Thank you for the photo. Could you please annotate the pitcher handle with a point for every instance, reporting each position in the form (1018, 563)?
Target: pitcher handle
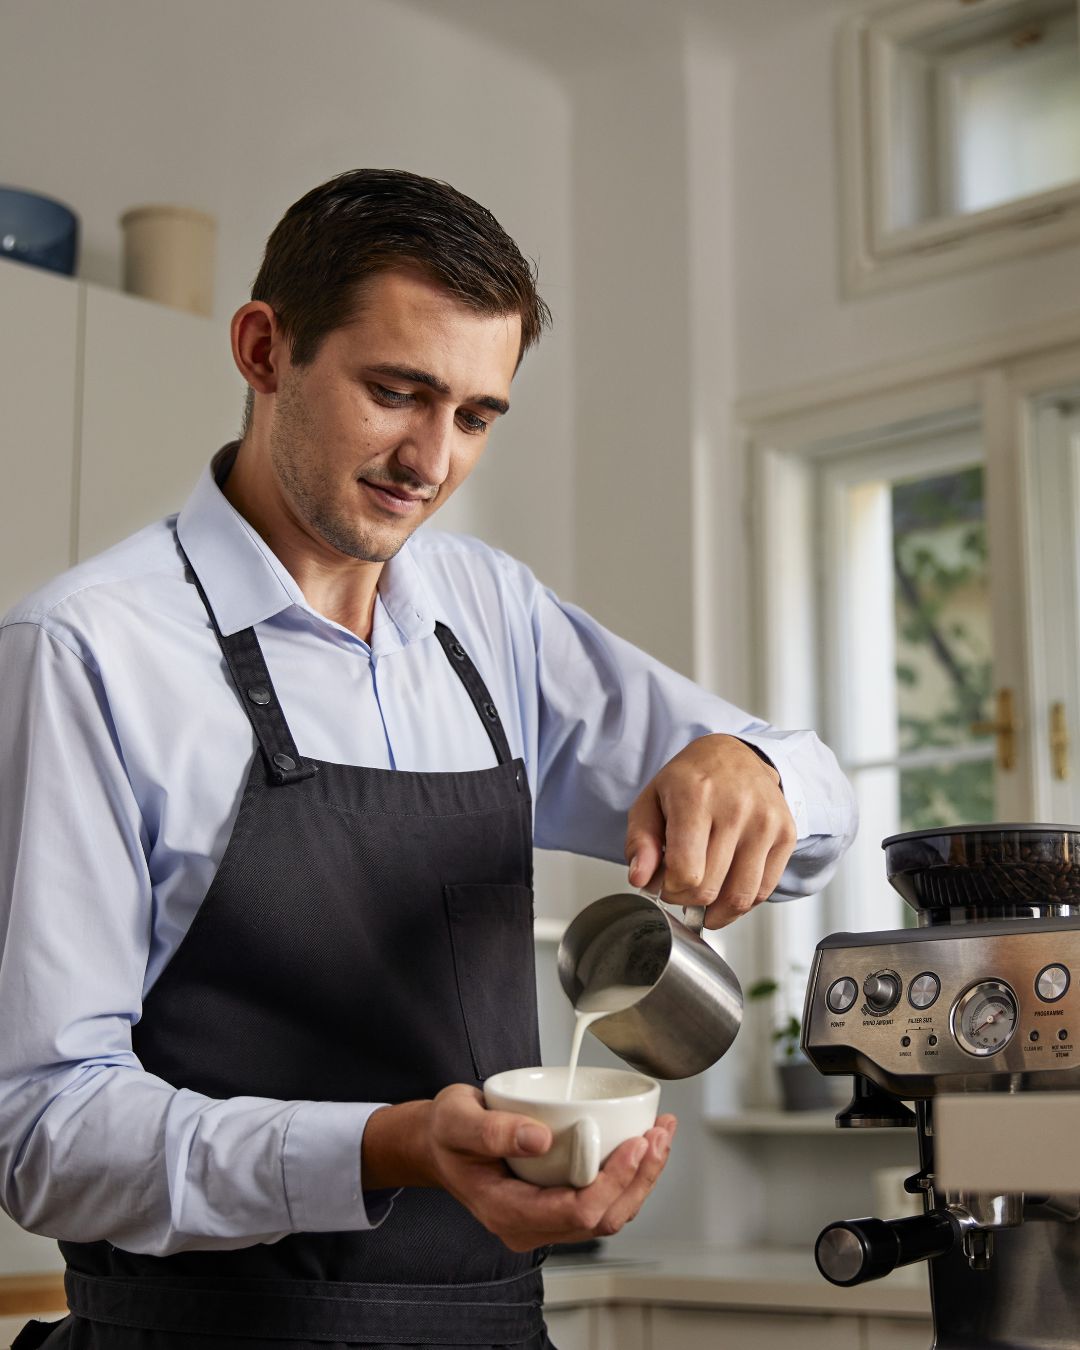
(693, 916)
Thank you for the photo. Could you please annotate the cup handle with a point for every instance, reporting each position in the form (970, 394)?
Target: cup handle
(584, 1152)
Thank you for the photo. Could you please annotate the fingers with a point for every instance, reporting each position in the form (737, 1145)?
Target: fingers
(560, 1214)
(467, 1126)
(626, 1206)
(724, 828)
(644, 839)
(526, 1216)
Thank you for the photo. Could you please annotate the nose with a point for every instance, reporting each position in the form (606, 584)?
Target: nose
(426, 450)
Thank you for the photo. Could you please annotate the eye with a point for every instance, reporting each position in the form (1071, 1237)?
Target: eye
(393, 397)
(475, 426)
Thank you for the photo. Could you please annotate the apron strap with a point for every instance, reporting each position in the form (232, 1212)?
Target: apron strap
(247, 665)
(250, 675)
(477, 691)
(503, 1312)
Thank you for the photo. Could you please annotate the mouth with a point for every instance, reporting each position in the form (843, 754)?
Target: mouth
(395, 500)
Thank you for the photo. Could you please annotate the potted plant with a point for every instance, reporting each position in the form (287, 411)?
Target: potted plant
(802, 1088)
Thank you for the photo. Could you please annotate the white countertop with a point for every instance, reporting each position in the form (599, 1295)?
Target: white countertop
(780, 1279)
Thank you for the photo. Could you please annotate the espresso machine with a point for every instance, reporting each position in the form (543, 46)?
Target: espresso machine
(973, 1017)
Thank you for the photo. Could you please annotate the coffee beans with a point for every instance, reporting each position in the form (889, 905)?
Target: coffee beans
(988, 867)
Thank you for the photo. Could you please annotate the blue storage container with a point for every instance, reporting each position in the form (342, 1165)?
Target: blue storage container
(38, 230)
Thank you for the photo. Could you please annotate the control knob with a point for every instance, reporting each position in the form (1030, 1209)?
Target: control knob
(882, 991)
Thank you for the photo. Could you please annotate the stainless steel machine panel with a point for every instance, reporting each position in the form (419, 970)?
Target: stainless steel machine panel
(922, 1013)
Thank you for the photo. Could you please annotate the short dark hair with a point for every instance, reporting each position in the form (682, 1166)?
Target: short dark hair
(338, 236)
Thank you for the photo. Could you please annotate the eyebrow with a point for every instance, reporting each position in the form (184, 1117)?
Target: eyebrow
(412, 376)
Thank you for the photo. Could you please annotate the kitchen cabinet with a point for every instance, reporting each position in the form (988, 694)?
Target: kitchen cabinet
(110, 407)
(898, 1333)
(39, 340)
(705, 1329)
(599, 1327)
(570, 1328)
(159, 395)
(681, 1296)
(645, 1327)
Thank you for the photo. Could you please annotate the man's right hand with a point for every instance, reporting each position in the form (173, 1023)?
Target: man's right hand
(456, 1143)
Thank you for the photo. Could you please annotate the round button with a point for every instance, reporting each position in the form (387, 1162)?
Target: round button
(924, 989)
(285, 762)
(931, 1040)
(842, 995)
(1063, 1035)
(882, 991)
(905, 1041)
(259, 694)
(1051, 983)
(1033, 1035)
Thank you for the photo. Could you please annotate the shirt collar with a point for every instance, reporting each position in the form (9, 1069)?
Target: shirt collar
(246, 583)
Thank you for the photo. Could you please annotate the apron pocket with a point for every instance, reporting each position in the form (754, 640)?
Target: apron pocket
(491, 936)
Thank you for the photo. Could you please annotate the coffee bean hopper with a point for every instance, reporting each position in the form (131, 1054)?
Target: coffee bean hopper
(983, 997)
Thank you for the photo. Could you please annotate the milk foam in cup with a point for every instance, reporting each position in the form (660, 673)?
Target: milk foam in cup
(609, 1106)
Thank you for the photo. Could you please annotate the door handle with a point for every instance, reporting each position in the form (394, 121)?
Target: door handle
(1003, 727)
(1059, 741)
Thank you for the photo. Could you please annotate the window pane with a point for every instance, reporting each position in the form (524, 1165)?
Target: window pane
(1016, 117)
(942, 612)
(952, 794)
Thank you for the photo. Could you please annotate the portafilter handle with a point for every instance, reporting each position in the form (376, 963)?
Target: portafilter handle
(856, 1250)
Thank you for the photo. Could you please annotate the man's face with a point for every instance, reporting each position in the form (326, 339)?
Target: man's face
(375, 434)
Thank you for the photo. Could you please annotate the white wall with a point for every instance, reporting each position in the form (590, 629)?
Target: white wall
(239, 108)
(792, 324)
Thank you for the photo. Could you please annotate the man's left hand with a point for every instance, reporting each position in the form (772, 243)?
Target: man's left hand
(713, 828)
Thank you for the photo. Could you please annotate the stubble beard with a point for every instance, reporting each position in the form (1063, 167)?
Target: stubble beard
(314, 493)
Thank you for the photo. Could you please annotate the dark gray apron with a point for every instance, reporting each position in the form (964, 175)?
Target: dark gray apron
(367, 937)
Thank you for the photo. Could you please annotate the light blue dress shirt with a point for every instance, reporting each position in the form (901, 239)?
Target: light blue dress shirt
(125, 751)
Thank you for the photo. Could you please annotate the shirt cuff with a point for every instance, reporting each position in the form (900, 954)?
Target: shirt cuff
(321, 1166)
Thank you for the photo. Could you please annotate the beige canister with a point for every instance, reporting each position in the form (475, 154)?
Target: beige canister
(169, 256)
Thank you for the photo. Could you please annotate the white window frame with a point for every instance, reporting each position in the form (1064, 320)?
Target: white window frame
(931, 447)
(877, 257)
(785, 437)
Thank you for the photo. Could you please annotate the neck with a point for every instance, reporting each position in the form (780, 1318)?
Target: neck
(340, 588)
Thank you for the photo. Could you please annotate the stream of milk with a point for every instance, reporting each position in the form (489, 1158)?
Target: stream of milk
(592, 1004)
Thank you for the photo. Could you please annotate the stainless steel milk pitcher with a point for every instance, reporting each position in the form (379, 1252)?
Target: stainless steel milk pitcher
(690, 1006)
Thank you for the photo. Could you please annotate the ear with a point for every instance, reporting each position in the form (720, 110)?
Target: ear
(258, 347)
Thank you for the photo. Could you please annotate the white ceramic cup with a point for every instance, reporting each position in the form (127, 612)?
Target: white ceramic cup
(609, 1106)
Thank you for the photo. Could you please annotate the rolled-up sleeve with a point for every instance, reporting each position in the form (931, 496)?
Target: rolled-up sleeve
(91, 1146)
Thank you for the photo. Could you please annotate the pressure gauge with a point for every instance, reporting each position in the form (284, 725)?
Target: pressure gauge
(984, 1019)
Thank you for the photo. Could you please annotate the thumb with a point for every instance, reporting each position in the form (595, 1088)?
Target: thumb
(644, 838)
(510, 1136)
(472, 1128)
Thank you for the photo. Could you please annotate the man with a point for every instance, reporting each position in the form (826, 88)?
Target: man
(265, 839)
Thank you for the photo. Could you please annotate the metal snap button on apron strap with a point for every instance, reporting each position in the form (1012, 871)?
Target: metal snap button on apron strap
(490, 712)
(457, 651)
(284, 762)
(260, 694)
